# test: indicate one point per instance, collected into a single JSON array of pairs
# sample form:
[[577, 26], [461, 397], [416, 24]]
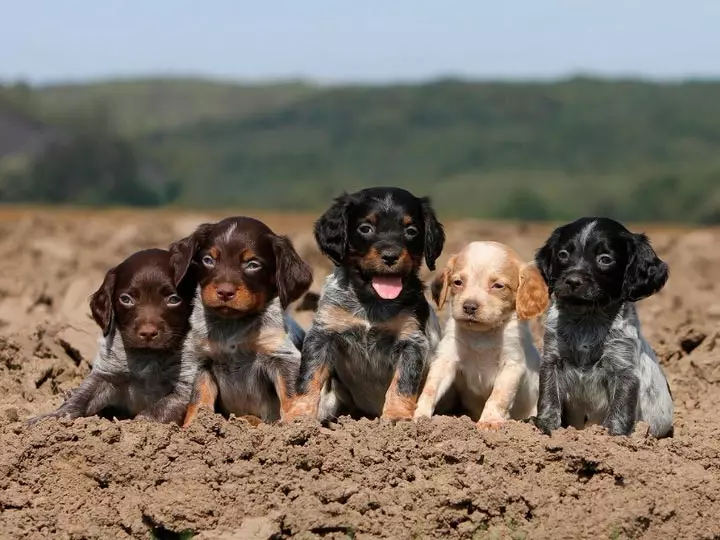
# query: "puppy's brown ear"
[[532, 295], [101, 306], [293, 276], [183, 251], [440, 287]]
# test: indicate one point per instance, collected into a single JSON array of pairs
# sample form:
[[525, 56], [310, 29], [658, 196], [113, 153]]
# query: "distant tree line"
[[535, 151]]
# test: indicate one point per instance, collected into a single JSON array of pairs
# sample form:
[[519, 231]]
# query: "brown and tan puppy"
[[486, 356], [247, 347]]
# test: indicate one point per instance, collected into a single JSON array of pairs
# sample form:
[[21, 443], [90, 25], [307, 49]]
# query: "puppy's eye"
[[252, 266], [411, 231], [605, 260], [208, 261], [563, 255], [173, 300], [366, 229], [457, 282], [498, 285], [127, 300]]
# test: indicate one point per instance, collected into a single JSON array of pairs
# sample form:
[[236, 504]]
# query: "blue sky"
[[369, 41]]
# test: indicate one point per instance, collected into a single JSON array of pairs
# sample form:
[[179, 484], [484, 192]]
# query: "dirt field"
[[441, 478]]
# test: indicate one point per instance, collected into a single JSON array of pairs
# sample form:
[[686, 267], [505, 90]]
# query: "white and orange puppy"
[[487, 357]]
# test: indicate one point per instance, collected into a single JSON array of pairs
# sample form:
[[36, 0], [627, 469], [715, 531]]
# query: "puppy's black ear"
[[183, 251], [646, 273], [331, 232], [434, 233], [544, 258], [101, 306], [293, 276]]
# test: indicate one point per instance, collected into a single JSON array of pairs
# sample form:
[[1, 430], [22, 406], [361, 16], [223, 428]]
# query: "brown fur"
[[204, 396], [532, 296], [398, 406]]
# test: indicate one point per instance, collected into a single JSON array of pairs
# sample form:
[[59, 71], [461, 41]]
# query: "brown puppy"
[[248, 348], [143, 309]]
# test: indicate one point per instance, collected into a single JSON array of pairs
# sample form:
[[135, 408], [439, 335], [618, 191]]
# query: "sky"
[[370, 41]]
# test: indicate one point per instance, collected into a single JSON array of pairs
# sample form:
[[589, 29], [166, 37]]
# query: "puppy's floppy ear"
[[183, 251], [293, 276], [646, 273], [331, 232], [544, 258], [533, 296], [440, 287], [434, 233], [101, 306]]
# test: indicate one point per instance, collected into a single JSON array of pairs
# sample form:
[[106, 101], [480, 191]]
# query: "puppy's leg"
[[401, 397], [284, 378], [204, 394], [93, 395], [550, 406], [316, 362], [170, 409], [497, 407], [439, 380], [622, 411]]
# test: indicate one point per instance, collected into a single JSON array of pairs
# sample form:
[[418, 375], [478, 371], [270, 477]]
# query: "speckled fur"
[[365, 356], [229, 348]]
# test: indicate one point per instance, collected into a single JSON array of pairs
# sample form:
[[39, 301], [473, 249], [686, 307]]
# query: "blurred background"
[[503, 110]]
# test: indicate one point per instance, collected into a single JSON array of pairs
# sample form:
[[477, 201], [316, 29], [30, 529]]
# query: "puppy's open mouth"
[[387, 287]]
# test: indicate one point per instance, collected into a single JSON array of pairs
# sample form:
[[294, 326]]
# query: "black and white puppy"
[[597, 367], [143, 308], [374, 332]]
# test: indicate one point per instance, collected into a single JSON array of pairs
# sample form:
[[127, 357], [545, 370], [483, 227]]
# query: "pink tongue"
[[387, 287]]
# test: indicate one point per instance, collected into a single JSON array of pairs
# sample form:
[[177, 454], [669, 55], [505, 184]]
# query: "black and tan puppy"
[[143, 308], [374, 332], [247, 347]]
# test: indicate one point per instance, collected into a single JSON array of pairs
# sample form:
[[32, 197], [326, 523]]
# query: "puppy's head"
[[597, 261], [381, 234], [242, 265], [146, 300], [487, 282]]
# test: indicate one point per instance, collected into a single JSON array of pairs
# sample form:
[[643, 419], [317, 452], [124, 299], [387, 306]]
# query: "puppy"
[[487, 354], [597, 368], [143, 307], [369, 346], [248, 348]]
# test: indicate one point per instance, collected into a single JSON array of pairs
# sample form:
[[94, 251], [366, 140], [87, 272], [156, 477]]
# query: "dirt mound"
[[94, 478]]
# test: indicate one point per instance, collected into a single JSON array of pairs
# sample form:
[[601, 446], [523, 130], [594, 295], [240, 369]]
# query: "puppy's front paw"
[[490, 425], [422, 411], [396, 416], [541, 424], [298, 408]]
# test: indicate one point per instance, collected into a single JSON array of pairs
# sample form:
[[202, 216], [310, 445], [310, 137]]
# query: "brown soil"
[[94, 478]]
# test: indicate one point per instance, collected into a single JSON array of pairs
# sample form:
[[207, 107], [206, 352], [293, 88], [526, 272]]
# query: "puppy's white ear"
[[532, 295], [440, 287]]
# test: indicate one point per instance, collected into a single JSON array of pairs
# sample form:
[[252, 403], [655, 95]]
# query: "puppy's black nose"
[[573, 282], [148, 331], [470, 307], [226, 292], [390, 256]]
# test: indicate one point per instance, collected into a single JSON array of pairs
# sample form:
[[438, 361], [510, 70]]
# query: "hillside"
[[533, 150]]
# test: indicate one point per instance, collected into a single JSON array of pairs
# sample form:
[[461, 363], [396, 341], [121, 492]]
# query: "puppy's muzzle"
[[226, 292], [390, 256], [470, 308]]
